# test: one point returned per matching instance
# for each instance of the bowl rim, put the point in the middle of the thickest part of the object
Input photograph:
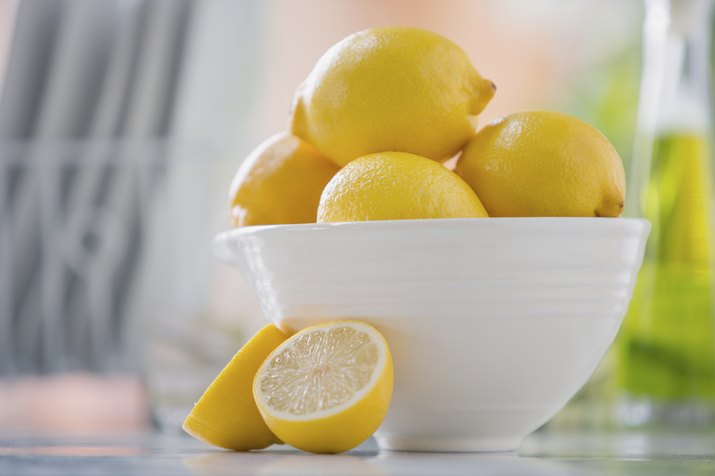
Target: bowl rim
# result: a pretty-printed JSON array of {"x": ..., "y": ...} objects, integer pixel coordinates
[{"x": 602, "y": 223}]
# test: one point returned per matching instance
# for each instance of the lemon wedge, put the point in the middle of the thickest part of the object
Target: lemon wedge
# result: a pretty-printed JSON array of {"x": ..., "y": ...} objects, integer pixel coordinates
[
  {"x": 226, "y": 414},
  {"x": 327, "y": 388}
]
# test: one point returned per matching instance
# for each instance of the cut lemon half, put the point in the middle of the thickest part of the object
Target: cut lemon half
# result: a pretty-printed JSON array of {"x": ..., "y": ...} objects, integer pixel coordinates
[
  {"x": 327, "y": 388},
  {"x": 226, "y": 414}
]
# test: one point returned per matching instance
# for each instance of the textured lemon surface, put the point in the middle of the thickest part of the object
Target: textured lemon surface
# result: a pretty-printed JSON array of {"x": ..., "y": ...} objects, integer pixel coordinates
[
  {"x": 390, "y": 88},
  {"x": 540, "y": 163},
  {"x": 280, "y": 182},
  {"x": 396, "y": 186},
  {"x": 226, "y": 414},
  {"x": 327, "y": 388}
]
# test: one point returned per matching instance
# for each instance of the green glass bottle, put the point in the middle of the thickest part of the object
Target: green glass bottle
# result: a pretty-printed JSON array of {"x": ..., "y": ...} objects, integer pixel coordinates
[{"x": 666, "y": 364}]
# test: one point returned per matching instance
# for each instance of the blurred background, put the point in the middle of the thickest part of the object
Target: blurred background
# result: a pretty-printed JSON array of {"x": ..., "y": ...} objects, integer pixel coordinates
[{"x": 121, "y": 125}]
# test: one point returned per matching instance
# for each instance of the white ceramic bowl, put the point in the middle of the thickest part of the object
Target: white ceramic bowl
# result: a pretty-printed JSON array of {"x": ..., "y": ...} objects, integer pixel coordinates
[{"x": 494, "y": 323}]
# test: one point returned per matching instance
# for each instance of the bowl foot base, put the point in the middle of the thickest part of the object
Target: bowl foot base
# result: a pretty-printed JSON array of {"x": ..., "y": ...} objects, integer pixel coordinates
[{"x": 447, "y": 445}]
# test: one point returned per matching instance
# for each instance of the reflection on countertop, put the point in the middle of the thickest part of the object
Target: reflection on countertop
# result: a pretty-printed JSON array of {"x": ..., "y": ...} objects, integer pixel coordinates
[{"x": 544, "y": 453}]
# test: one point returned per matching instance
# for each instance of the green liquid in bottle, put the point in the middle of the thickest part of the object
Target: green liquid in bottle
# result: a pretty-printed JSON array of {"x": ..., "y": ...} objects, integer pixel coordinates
[{"x": 666, "y": 343}]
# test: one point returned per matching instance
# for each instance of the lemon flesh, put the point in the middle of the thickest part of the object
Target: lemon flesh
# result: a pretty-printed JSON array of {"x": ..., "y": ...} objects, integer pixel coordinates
[
  {"x": 541, "y": 163},
  {"x": 226, "y": 414},
  {"x": 396, "y": 186},
  {"x": 390, "y": 88},
  {"x": 327, "y": 388},
  {"x": 279, "y": 183}
]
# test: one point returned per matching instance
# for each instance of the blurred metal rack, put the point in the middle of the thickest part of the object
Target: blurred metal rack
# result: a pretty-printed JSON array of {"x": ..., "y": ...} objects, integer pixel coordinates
[{"x": 71, "y": 251}]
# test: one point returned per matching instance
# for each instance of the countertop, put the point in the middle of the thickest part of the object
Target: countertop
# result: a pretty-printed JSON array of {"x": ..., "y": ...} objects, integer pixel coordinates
[{"x": 544, "y": 453}]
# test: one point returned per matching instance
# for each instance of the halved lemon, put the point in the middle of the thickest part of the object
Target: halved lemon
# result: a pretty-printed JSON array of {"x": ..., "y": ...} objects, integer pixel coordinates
[
  {"x": 327, "y": 388},
  {"x": 226, "y": 414}
]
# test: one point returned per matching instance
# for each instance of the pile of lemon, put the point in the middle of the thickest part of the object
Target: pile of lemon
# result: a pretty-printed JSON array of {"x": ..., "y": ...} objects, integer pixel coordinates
[
  {"x": 379, "y": 113},
  {"x": 370, "y": 129}
]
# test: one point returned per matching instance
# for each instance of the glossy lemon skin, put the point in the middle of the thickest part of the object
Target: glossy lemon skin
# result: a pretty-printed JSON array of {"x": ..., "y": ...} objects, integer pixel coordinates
[
  {"x": 396, "y": 186},
  {"x": 226, "y": 415},
  {"x": 279, "y": 183},
  {"x": 390, "y": 88},
  {"x": 542, "y": 163}
]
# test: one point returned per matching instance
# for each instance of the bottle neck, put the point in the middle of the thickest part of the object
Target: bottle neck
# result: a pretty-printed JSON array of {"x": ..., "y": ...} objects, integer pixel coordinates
[
  {"x": 674, "y": 93},
  {"x": 676, "y": 69}
]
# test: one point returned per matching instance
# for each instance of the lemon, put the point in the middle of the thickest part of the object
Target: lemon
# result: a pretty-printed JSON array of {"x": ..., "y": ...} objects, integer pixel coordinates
[
  {"x": 226, "y": 414},
  {"x": 280, "y": 182},
  {"x": 390, "y": 88},
  {"x": 327, "y": 388},
  {"x": 541, "y": 163},
  {"x": 396, "y": 186}
]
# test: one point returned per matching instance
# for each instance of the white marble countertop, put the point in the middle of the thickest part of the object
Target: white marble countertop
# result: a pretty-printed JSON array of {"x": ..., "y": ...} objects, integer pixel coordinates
[{"x": 545, "y": 453}]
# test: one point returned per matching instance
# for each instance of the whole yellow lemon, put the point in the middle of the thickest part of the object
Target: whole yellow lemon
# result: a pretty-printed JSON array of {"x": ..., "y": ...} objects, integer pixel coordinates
[
  {"x": 396, "y": 186},
  {"x": 280, "y": 182},
  {"x": 391, "y": 88},
  {"x": 541, "y": 163}
]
